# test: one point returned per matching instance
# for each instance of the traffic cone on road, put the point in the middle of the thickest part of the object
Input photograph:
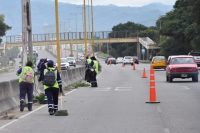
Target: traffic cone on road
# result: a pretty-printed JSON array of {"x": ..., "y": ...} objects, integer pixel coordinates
[
  {"x": 152, "y": 91},
  {"x": 110, "y": 62},
  {"x": 144, "y": 75},
  {"x": 133, "y": 66},
  {"x": 123, "y": 65}
]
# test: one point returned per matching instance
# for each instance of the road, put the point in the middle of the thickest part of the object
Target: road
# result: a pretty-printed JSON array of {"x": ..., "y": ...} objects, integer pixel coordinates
[
  {"x": 118, "y": 106},
  {"x": 12, "y": 75}
]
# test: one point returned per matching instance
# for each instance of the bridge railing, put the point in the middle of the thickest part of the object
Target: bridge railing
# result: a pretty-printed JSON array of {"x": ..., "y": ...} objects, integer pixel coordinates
[{"x": 70, "y": 36}]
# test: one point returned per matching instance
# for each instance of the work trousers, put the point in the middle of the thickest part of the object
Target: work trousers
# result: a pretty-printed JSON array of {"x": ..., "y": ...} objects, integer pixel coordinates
[
  {"x": 52, "y": 98},
  {"x": 26, "y": 88}
]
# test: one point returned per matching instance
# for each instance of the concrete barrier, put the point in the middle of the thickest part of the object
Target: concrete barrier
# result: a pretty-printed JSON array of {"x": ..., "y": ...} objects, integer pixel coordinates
[{"x": 9, "y": 91}]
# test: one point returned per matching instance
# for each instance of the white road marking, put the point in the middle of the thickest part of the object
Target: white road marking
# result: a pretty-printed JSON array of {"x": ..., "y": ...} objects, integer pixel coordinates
[
  {"x": 23, "y": 116},
  {"x": 103, "y": 89},
  {"x": 186, "y": 87},
  {"x": 122, "y": 89},
  {"x": 166, "y": 130}
]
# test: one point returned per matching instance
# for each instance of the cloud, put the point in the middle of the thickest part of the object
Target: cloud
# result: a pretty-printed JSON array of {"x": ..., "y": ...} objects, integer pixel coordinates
[{"x": 122, "y": 2}]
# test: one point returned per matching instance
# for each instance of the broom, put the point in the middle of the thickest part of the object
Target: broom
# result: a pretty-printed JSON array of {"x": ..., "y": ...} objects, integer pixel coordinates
[{"x": 61, "y": 112}]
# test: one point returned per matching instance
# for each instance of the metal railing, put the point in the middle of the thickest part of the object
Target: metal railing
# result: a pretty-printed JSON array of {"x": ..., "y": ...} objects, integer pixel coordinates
[{"x": 70, "y": 36}]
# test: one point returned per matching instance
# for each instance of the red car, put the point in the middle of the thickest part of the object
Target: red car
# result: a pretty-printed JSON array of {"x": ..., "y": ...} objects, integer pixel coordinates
[{"x": 182, "y": 66}]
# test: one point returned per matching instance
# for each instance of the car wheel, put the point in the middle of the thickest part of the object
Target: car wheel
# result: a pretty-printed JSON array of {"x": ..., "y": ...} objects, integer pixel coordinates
[
  {"x": 170, "y": 79},
  {"x": 167, "y": 78},
  {"x": 195, "y": 78}
]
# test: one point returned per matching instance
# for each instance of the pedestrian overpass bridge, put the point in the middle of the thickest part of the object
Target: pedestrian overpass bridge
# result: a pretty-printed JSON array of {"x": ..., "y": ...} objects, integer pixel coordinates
[{"x": 103, "y": 37}]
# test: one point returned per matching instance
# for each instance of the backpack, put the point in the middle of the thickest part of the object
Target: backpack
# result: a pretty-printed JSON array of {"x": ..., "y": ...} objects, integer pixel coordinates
[
  {"x": 49, "y": 78},
  {"x": 28, "y": 77}
]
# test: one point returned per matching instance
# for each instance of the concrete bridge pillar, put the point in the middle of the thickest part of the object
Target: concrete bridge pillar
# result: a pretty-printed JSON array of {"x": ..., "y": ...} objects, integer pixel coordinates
[{"x": 138, "y": 51}]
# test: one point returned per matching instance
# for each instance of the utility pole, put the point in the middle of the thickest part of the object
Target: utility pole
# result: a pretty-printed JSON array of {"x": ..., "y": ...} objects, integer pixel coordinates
[
  {"x": 84, "y": 28},
  {"x": 57, "y": 35},
  {"x": 92, "y": 14},
  {"x": 26, "y": 32}
]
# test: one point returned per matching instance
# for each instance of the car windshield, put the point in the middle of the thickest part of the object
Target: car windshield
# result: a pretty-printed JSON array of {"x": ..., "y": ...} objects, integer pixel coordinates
[
  {"x": 70, "y": 59},
  {"x": 63, "y": 60},
  {"x": 182, "y": 60},
  {"x": 159, "y": 58},
  {"x": 128, "y": 57}
]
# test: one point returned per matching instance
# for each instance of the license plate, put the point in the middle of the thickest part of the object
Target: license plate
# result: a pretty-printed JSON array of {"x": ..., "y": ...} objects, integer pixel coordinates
[{"x": 184, "y": 75}]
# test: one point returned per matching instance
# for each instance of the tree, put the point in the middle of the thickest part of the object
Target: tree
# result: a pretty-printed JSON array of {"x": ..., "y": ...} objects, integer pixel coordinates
[
  {"x": 3, "y": 27},
  {"x": 130, "y": 29},
  {"x": 181, "y": 28}
]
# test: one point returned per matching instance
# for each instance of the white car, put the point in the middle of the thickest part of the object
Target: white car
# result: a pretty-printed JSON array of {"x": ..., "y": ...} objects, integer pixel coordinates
[
  {"x": 71, "y": 61},
  {"x": 128, "y": 60},
  {"x": 64, "y": 64},
  {"x": 120, "y": 60}
]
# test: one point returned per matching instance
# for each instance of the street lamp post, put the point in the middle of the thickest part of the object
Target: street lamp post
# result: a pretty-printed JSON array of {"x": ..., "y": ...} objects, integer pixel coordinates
[
  {"x": 84, "y": 28},
  {"x": 57, "y": 34},
  {"x": 92, "y": 14}
]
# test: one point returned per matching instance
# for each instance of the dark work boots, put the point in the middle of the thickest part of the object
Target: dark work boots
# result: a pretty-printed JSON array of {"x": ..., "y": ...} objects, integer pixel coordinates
[
  {"x": 29, "y": 106},
  {"x": 22, "y": 105},
  {"x": 51, "y": 112}
]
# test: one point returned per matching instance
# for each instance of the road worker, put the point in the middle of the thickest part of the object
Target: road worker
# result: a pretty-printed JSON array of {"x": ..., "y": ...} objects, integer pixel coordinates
[
  {"x": 52, "y": 83},
  {"x": 26, "y": 83},
  {"x": 88, "y": 69},
  {"x": 94, "y": 71}
]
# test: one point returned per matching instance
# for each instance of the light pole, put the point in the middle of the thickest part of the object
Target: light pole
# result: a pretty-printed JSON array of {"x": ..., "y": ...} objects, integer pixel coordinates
[
  {"x": 57, "y": 34},
  {"x": 84, "y": 28},
  {"x": 92, "y": 14}
]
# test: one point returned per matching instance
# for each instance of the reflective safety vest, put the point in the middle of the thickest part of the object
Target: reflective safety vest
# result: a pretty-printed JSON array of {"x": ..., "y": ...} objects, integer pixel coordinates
[
  {"x": 26, "y": 70},
  {"x": 56, "y": 82},
  {"x": 96, "y": 66},
  {"x": 89, "y": 61}
]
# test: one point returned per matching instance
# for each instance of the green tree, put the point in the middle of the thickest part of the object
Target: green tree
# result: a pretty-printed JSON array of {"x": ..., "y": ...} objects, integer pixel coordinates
[
  {"x": 181, "y": 28},
  {"x": 3, "y": 27},
  {"x": 130, "y": 29}
]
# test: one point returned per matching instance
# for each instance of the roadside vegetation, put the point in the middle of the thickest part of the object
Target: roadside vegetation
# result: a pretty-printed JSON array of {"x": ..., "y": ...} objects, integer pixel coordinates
[
  {"x": 3, "y": 27},
  {"x": 177, "y": 32},
  {"x": 180, "y": 31}
]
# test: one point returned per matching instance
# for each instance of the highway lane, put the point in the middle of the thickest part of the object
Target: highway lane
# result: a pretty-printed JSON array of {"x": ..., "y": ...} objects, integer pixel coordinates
[
  {"x": 42, "y": 53},
  {"x": 118, "y": 106}
]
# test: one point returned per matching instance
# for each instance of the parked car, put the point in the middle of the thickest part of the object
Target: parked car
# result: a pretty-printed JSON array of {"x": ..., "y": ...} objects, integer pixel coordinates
[
  {"x": 196, "y": 56},
  {"x": 111, "y": 61},
  {"x": 64, "y": 64},
  {"x": 119, "y": 60},
  {"x": 181, "y": 67},
  {"x": 159, "y": 62},
  {"x": 128, "y": 60},
  {"x": 71, "y": 61}
]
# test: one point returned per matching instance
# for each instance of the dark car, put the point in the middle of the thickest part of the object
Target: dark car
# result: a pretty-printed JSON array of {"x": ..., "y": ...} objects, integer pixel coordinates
[{"x": 181, "y": 67}]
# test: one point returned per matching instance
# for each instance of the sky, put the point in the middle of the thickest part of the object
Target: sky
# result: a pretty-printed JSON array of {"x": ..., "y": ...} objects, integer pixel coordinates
[{"x": 122, "y": 2}]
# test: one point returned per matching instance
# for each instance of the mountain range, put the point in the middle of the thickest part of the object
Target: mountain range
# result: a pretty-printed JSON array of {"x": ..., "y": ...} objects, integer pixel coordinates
[{"x": 70, "y": 15}]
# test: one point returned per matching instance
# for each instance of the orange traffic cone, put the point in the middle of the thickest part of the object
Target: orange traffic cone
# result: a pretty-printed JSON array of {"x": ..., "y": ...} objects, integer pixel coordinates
[
  {"x": 144, "y": 75},
  {"x": 123, "y": 65},
  {"x": 133, "y": 66},
  {"x": 110, "y": 62},
  {"x": 152, "y": 91}
]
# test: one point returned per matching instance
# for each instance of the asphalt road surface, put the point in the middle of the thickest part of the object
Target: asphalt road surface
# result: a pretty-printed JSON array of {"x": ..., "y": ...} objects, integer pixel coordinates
[{"x": 118, "y": 106}]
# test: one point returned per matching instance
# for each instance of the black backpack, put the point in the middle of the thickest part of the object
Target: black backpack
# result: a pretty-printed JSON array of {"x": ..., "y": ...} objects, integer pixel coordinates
[{"x": 49, "y": 78}]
